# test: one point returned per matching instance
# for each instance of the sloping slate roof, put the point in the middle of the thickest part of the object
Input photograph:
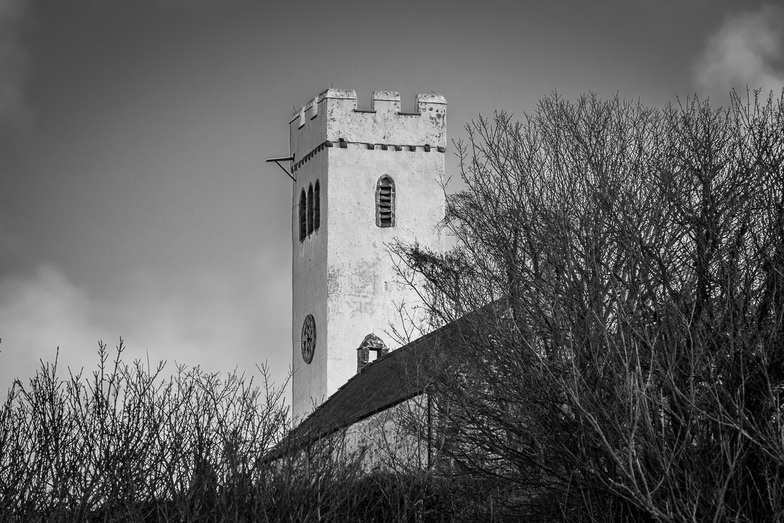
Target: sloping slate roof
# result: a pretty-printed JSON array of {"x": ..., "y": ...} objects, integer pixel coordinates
[{"x": 402, "y": 374}]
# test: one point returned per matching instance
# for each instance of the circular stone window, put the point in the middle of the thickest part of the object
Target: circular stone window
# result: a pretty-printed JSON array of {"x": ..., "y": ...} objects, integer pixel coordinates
[{"x": 308, "y": 338}]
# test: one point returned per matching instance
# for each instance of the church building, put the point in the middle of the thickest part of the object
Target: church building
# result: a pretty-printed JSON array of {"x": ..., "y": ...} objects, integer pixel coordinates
[{"x": 363, "y": 179}]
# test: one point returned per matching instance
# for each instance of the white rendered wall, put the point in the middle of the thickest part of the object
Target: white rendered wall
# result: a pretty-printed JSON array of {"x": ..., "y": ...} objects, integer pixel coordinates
[
  {"x": 396, "y": 438},
  {"x": 343, "y": 274}
]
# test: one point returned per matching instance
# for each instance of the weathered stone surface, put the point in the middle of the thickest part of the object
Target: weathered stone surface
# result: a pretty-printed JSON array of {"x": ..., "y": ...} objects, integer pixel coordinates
[{"x": 343, "y": 273}]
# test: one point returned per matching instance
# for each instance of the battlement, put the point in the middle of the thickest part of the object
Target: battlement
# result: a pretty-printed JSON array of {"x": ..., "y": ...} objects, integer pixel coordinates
[
  {"x": 384, "y": 101},
  {"x": 333, "y": 117}
]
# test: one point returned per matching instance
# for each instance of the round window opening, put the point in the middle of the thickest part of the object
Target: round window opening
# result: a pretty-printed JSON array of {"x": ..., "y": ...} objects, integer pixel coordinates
[{"x": 308, "y": 338}]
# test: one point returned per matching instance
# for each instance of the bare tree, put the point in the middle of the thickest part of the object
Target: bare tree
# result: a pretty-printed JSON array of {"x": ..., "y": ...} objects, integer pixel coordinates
[{"x": 630, "y": 364}]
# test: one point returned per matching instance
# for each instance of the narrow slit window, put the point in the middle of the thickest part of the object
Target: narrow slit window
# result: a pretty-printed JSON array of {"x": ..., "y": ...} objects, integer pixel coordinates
[
  {"x": 317, "y": 206},
  {"x": 310, "y": 209},
  {"x": 302, "y": 224},
  {"x": 385, "y": 202}
]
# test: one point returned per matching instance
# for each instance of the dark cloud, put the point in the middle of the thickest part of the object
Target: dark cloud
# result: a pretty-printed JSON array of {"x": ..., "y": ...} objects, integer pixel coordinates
[
  {"x": 14, "y": 61},
  {"x": 182, "y": 5}
]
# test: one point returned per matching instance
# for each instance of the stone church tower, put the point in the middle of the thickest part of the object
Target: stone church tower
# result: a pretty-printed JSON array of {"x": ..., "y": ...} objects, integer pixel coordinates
[{"x": 363, "y": 178}]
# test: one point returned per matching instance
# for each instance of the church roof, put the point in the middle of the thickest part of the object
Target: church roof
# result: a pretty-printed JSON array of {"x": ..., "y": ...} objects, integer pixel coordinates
[{"x": 400, "y": 375}]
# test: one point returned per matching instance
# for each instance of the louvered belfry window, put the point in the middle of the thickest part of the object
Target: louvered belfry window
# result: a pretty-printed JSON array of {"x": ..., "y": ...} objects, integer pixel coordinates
[
  {"x": 316, "y": 206},
  {"x": 385, "y": 202},
  {"x": 303, "y": 231},
  {"x": 310, "y": 209}
]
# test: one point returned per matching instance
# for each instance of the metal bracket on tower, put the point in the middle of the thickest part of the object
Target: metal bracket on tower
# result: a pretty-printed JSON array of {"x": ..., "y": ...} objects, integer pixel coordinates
[{"x": 283, "y": 159}]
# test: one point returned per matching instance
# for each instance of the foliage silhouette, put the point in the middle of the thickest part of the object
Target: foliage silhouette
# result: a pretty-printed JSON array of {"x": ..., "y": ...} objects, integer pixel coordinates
[{"x": 631, "y": 366}]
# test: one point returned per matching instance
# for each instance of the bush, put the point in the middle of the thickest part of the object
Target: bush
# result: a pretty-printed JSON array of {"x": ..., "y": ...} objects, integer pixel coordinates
[
  {"x": 126, "y": 442},
  {"x": 129, "y": 444}
]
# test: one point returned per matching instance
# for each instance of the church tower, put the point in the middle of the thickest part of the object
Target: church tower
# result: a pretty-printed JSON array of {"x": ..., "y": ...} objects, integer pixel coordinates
[{"x": 363, "y": 179}]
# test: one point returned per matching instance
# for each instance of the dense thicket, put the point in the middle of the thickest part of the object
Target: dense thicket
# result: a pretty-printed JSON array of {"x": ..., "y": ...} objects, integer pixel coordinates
[
  {"x": 128, "y": 443},
  {"x": 632, "y": 366}
]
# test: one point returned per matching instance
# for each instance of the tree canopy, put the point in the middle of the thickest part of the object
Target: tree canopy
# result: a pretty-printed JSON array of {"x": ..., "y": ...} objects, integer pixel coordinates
[{"x": 632, "y": 364}]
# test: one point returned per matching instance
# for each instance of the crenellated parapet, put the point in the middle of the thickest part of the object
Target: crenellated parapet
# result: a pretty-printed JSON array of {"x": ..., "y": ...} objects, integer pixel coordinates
[{"x": 332, "y": 119}]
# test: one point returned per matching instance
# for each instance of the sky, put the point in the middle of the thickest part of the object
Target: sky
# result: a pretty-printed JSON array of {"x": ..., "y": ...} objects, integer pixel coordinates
[{"x": 135, "y": 202}]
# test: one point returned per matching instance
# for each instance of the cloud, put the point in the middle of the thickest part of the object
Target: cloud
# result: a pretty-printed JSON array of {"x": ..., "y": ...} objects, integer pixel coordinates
[
  {"x": 38, "y": 313},
  {"x": 746, "y": 50},
  {"x": 14, "y": 63},
  {"x": 200, "y": 317}
]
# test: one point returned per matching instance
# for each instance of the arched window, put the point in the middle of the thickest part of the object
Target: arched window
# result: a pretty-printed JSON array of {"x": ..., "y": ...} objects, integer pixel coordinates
[
  {"x": 310, "y": 209},
  {"x": 317, "y": 206},
  {"x": 385, "y": 202},
  {"x": 303, "y": 231}
]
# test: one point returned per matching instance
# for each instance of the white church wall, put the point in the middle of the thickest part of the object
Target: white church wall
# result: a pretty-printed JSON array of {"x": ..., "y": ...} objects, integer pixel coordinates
[
  {"x": 399, "y": 438},
  {"x": 343, "y": 274}
]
